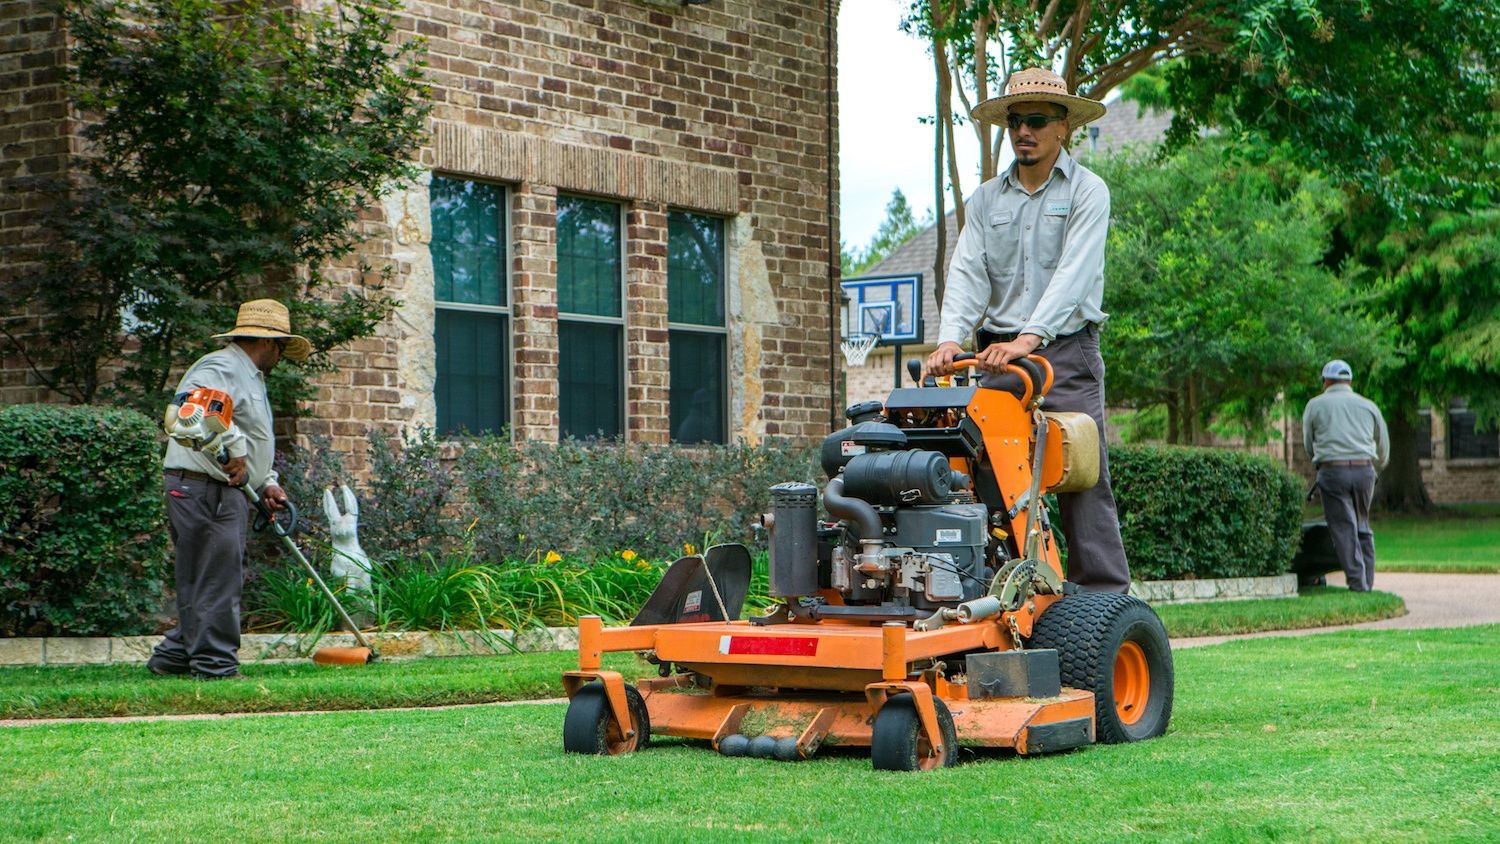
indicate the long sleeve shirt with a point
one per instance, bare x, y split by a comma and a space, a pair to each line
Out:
231, 371
1030, 263
1341, 424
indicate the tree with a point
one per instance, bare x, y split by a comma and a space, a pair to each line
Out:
227, 156
899, 226
1216, 286
1339, 79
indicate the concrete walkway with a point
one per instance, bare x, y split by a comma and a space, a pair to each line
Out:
1432, 600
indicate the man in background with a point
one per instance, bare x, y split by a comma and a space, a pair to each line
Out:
1346, 438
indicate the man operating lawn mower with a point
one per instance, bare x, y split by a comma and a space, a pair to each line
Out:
1028, 274
220, 411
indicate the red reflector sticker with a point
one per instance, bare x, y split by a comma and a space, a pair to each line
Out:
770, 645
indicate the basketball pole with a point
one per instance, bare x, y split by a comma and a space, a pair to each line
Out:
897, 359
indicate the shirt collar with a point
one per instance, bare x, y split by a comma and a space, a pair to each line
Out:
1342, 386
1064, 164
245, 360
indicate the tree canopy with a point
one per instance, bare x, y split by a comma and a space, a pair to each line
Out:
227, 156
899, 226
1216, 286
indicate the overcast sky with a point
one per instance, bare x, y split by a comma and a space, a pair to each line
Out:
885, 86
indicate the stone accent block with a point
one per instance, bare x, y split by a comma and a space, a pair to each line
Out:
80, 650
1214, 589
132, 649
24, 651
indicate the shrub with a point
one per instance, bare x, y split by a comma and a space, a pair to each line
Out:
1200, 513
83, 544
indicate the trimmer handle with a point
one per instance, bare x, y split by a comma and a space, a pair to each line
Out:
265, 517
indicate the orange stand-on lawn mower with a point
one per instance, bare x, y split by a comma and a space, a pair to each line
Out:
929, 611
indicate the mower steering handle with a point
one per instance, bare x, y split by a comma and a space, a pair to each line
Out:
1032, 370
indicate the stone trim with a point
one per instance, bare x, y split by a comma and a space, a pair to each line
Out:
282, 647
1214, 589
516, 158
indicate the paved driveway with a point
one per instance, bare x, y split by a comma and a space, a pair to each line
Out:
1432, 600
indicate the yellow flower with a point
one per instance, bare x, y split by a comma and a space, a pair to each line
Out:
689, 548
552, 557
643, 565
627, 555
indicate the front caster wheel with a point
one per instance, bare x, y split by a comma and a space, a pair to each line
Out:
899, 744
590, 726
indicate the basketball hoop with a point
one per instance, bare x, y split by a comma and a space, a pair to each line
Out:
857, 347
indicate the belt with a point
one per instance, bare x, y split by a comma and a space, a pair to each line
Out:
1346, 463
989, 338
190, 475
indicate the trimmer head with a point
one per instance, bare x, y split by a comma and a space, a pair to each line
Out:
343, 656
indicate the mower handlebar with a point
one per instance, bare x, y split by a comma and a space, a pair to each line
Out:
1033, 370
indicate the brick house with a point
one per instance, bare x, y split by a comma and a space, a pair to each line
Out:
623, 226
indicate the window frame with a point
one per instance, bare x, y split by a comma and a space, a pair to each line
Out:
505, 312
623, 392
697, 328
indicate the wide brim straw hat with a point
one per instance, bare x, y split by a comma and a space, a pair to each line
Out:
269, 318
1036, 84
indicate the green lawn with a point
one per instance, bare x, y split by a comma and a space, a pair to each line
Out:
112, 690
1368, 736
1318, 606
1456, 539
115, 690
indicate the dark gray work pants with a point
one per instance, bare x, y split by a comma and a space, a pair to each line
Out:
1346, 492
1090, 523
208, 525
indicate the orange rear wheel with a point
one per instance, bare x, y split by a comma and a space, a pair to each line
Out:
1132, 682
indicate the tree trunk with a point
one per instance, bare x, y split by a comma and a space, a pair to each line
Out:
1400, 488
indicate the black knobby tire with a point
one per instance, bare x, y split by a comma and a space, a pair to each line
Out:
590, 725
1095, 633
898, 743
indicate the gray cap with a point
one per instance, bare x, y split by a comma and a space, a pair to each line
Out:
1337, 370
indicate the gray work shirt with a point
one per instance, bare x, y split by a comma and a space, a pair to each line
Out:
1341, 424
231, 371
1030, 263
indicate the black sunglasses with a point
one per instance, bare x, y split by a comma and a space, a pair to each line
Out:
1031, 121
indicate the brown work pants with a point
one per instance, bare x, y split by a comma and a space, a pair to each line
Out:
1090, 522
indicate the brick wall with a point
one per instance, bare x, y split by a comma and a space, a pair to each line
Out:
34, 147
721, 108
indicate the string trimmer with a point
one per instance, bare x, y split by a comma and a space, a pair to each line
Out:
265, 518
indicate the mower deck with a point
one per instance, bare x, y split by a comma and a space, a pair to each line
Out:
821, 684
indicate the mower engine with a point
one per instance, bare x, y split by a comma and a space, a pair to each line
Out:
909, 535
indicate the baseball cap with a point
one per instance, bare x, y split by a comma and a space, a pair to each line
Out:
1337, 370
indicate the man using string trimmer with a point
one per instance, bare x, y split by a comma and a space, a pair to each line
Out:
220, 412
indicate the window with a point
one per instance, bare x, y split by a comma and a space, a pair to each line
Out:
1464, 439
1423, 434
590, 318
696, 328
472, 324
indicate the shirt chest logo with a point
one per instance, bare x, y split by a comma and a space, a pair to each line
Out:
1057, 209
1000, 218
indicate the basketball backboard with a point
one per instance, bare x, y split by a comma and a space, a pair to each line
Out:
888, 306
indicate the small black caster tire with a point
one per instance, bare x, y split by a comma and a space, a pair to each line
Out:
898, 743
590, 726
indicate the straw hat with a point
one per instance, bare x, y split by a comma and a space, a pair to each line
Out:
269, 318
1037, 84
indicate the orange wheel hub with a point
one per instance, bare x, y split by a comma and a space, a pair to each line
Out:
1132, 682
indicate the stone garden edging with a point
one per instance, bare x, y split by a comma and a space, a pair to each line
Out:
283, 647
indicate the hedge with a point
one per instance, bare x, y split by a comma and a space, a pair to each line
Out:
1201, 513
83, 539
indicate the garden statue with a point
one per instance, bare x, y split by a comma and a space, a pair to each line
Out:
350, 562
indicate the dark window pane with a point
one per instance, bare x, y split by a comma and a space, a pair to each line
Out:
468, 249
697, 398
695, 269
588, 257
589, 379
1423, 434
1465, 440
472, 389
